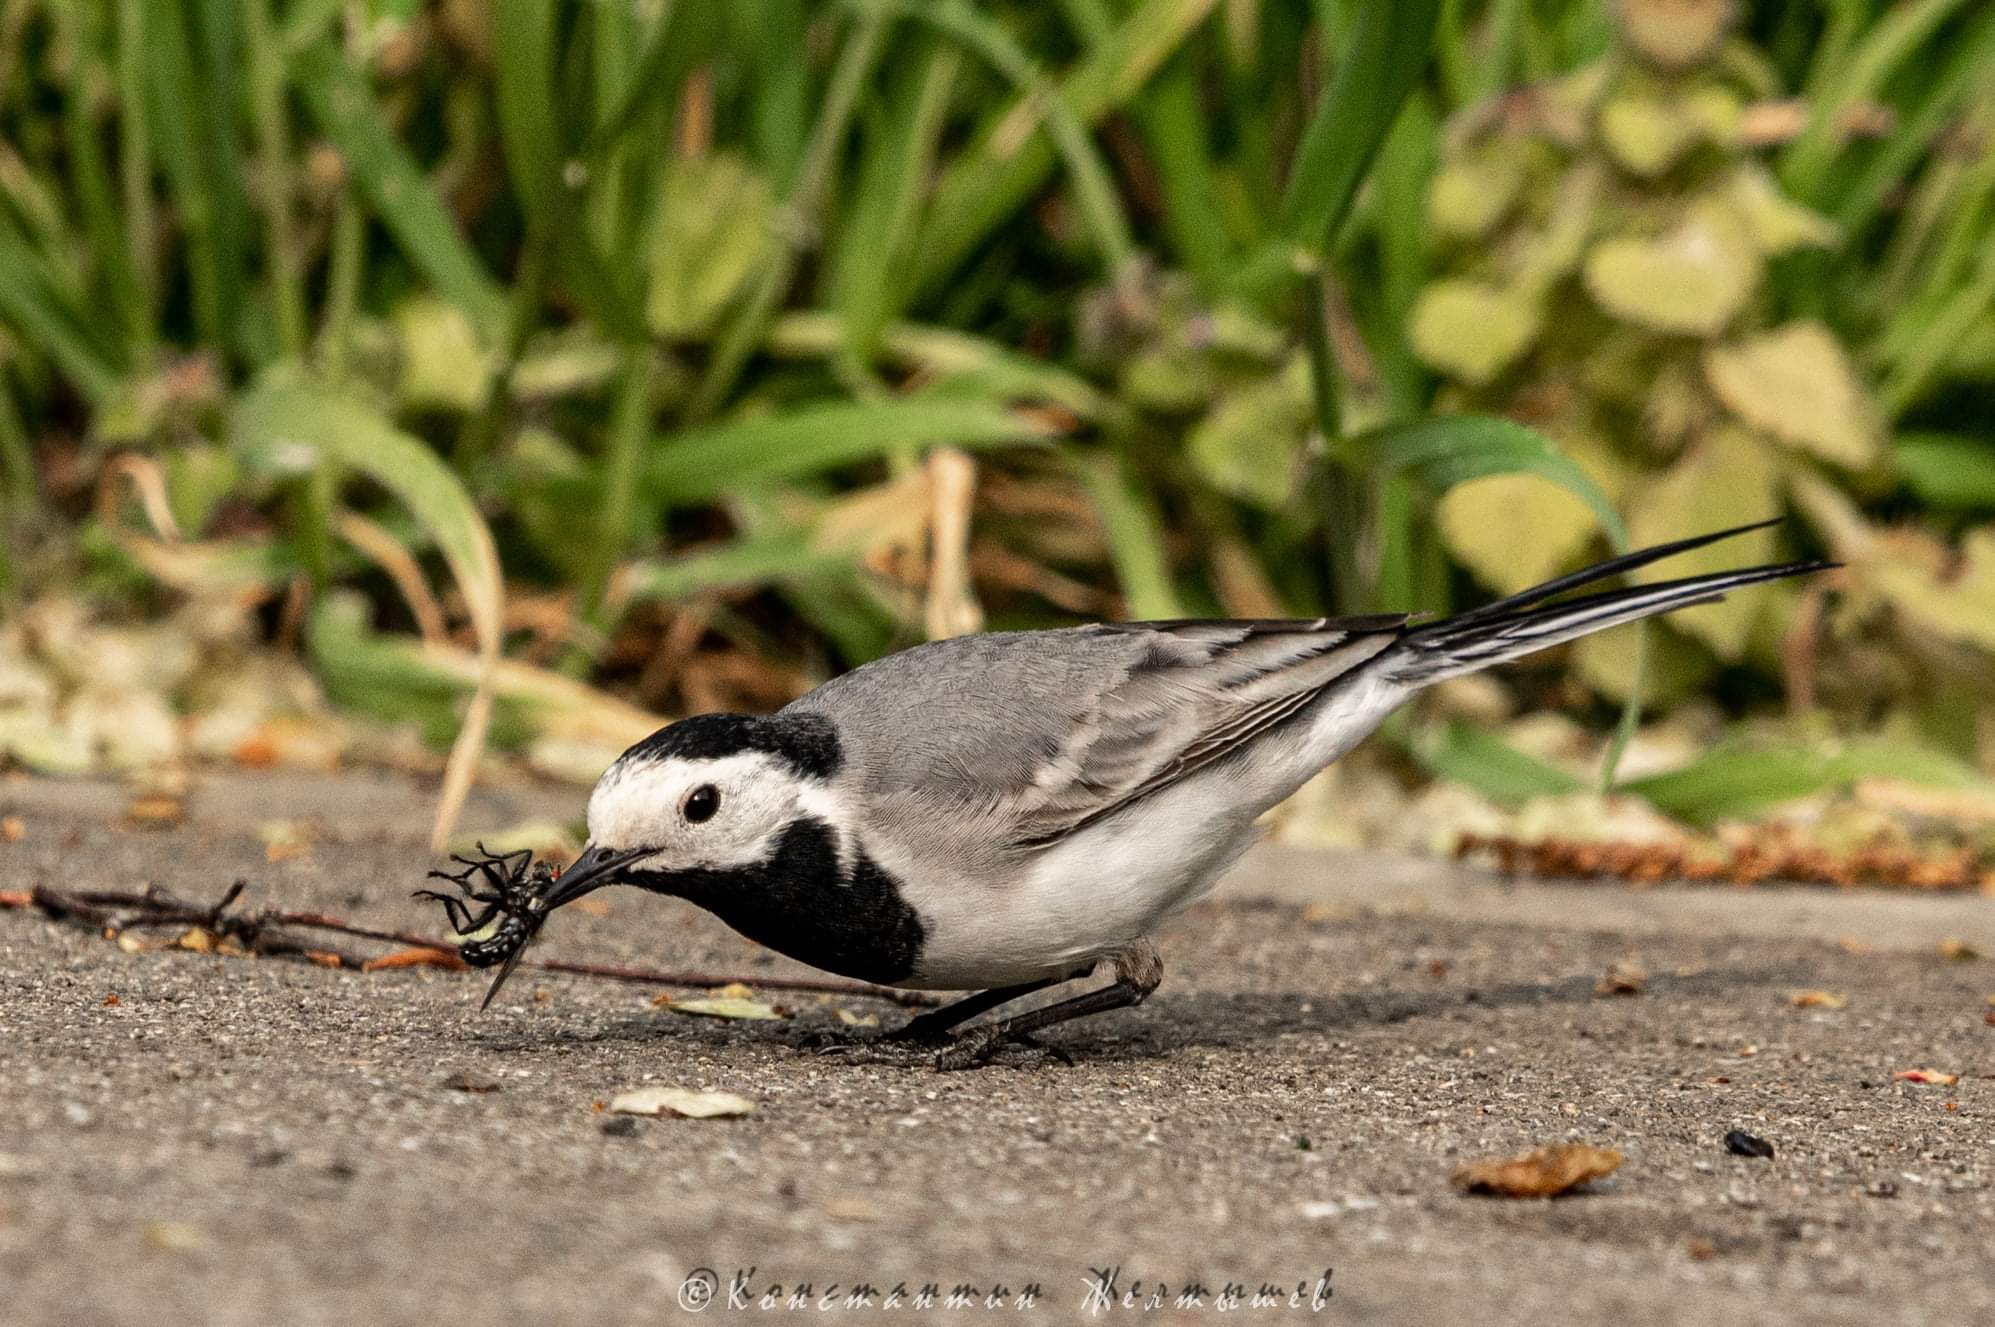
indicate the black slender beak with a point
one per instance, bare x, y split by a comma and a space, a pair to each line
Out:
596, 867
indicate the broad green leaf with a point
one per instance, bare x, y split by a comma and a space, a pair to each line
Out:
1444, 451
1777, 223
1485, 762
1514, 530
1660, 664
1947, 469
1250, 442
1472, 330
701, 463
1729, 478
1737, 781
1951, 597
711, 234
442, 364
1645, 134
1675, 34
1472, 193
1796, 384
1694, 279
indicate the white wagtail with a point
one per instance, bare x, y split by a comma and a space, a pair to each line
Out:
1001, 812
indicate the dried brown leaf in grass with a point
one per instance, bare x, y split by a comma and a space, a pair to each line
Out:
1543, 1173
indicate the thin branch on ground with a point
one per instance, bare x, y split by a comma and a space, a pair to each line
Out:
113, 912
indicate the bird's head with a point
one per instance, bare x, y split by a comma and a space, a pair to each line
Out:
706, 796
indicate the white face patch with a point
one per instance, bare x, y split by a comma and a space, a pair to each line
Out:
642, 804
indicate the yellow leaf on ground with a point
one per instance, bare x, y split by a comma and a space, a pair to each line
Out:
724, 1007
1935, 1077
415, 957
679, 1101
1544, 1173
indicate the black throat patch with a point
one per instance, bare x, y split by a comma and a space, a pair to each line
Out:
799, 904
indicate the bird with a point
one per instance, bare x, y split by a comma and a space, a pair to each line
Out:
1004, 812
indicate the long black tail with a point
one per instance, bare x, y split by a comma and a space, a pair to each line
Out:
1518, 625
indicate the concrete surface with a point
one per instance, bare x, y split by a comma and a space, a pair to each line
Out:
260, 1141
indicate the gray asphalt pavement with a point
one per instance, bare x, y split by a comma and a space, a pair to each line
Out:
265, 1141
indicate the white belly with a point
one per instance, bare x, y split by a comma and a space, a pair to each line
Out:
1114, 881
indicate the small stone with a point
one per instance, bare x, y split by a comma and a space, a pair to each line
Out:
1740, 1143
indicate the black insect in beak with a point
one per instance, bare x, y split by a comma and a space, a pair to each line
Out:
520, 897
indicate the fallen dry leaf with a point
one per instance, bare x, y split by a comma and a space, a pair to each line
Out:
155, 811
1936, 1077
1622, 979
1956, 950
175, 1237
850, 1019
15, 898
418, 956
680, 1101
1544, 1173
112, 1001
724, 1007
11, 829
1818, 1000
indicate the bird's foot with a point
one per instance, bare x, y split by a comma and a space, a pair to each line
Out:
981, 1045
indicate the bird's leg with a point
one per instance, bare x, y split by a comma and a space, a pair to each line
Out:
1138, 971
931, 1025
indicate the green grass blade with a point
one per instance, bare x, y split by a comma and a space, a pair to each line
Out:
343, 106
1094, 189
1452, 449
741, 564
1386, 55
1135, 538
1947, 470
1485, 762
993, 180
30, 303
703, 463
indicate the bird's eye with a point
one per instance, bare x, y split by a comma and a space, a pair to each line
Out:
701, 803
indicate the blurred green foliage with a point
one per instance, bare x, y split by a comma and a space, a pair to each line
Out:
679, 298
